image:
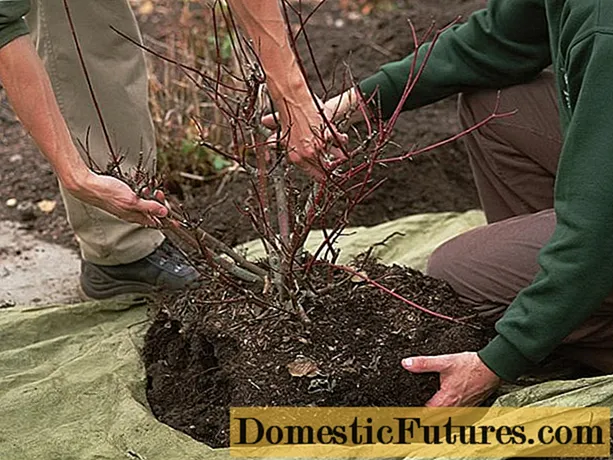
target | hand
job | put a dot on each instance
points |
(308, 137)
(465, 380)
(117, 198)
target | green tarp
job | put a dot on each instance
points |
(408, 241)
(72, 385)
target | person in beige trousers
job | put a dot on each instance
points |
(119, 256)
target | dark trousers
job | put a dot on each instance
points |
(514, 162)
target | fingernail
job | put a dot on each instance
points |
(407, 362)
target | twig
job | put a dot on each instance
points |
(401, 298)
(218, 245)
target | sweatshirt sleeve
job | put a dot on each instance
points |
(12, 24)
(576, 265)
(505, 44)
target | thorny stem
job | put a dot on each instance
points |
(210, 240)
(278, 177)
(493, 116)
(283, 212)
(187, 237)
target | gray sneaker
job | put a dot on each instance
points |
(164, 269)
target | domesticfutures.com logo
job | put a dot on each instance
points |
(419, 432)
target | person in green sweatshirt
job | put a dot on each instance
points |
(544, 176)
(120, 251)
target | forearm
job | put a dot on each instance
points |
(30, 93)
(29, 90)
(303, 119)
(263, 22)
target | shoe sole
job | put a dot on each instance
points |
(99, 286)
(110, 294)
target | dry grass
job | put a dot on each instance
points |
(176, 103)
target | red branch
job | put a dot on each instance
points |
(396, 296)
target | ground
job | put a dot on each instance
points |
(35, 272)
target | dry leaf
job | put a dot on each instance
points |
(46, 206)
(359, 277)
(302, 367)
(367, 9)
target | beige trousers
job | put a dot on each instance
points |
(119, 76)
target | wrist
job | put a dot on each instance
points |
(504, 359)
(75, 179)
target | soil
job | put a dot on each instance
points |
(210, 349)
(27, 178)
(35, 272)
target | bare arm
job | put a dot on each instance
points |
(336, 108)
(29, 90)
(263, 22)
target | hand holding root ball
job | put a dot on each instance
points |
(465, 381)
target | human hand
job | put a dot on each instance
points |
(464, 380)
(116, 197)
(311, 140)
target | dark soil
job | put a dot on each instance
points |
(28, 178)
(210, 349)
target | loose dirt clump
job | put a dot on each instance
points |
(211, 348)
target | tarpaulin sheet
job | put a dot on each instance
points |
(72, 384)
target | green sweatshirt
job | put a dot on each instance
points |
(12, 24)
(508, 43)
